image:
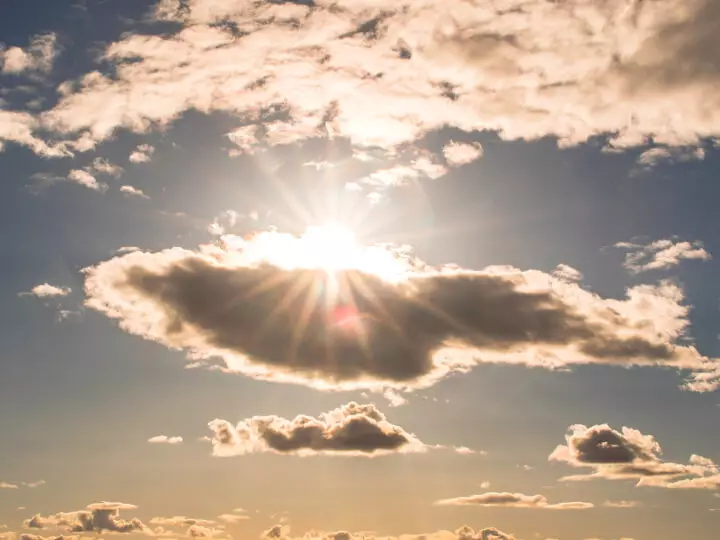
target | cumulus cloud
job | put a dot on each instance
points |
(37, 57)
(142, 154)
(631, 455)
(352, 429)
(567, 273)
(86, 179)
(45, 290)
(19, 128)
(661, 254)
(97, 517)
(164, 439)
(133, 192)
(460, 153)
(277, 307)
(26, 536)
(103, 166)
(513, 500)
(225, 221)
(653, 157)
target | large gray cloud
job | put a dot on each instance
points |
(353, 328)
(630, 454)
(351, 430)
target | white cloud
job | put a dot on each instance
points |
(632, 71)
(661, 254)
(8, 485)
(653, 157)
(37, 57)
(103, 166)
(460, 153)
(45, 290)
(567, 273)
(142, 154)
(622, 504)
(513, 500)
(133, 192)
(164, 439)
(84, 178)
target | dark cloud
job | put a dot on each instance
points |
(351, 429)
(98, 517)
(629, 454)
(513, 500)
(354, 328)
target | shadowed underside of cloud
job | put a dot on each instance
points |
(513, 500)
(349, 430)
(98, 517)
(347, 328)
(282, 532)
(383, 74)
(629, 454)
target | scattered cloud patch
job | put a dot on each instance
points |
(513, 500)
(567, 273)
(661, 254)
(654, 157)
(37, 57)
(631, 455)
(164, 439)
(352, 429)
(622, 504)
(461, 153)
(142, 154)
(45, 290)
(282, 532)
(97, 517)
(133, 192)
(85, 179)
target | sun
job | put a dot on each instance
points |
(330, 247)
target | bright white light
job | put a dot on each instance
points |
(330, 246)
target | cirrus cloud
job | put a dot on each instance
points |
(513, 500)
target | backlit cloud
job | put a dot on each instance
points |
(513, 500)
(133, 192)
(86, 179)
(97, 517)
(45, 290)
(164, 439)
(630, 455)
(459, 153)
(282, 308)
(142, 154)
(349, 430)
(283, 532)
(661, 254)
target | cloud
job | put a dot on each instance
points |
(181, 521)
(277, 307)
(513, 500)
(622, 504)
(460, 153)
(19, 127)
(37, 57)
(164, 439)
(8, 485)
(84, 178)
(103, 166)
(282, 532)
(97, 517)
(45, 290)
(567, 273)
(233, 518)
(630, 455)
(223, 222)
(133, 192)
(26, 536)
(661, 254)
(653, 157)
(352, 429)
(386, 75)
(142, 154)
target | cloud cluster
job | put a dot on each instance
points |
(142, 154)
(276, 307)
(352, 429)
(282, 532)
(661, 254)
(629, 454)
(97, 517)
(36, 58)
(133, 192)
(513, 500)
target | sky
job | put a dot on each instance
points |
(350, 269)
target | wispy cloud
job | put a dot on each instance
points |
(513, 500)
(45, 290)
(661, 254)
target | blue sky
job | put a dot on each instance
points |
(296, 269)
